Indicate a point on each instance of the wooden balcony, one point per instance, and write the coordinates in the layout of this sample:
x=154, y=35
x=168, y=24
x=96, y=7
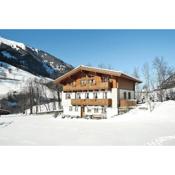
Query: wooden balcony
x=91, y=102
x=88, y=87
x=127, y=103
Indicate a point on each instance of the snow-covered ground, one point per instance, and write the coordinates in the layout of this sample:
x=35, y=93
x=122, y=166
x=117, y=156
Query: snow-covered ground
x=15, y=79
x=137, y=127
x=12, y=78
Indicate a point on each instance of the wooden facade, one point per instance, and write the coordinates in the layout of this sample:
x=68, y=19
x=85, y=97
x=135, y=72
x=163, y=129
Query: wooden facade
x=91, y=102
x=126, y=84
x=85, y=81
x=84, y=72
x=114, y=89
x=127, y=103
x=87, y=87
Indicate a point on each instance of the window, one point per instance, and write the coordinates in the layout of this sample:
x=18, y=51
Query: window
x=67, y=95
x=95, y=110
x=74, y=84
x=129, y=95
x=124, y=94
x=83, y=82
x=103, y=110
x=88, y=109
x=105, y=79
x=76, y=108
x=93, y=82
x=77, y=95
x=70, y=108
x=105, y=95
x=87, y=95
x=95, y=95
x=90, y=82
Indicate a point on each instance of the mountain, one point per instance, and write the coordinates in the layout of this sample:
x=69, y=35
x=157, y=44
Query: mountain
x=15, y=84
x=15, y=80
x=35, y=61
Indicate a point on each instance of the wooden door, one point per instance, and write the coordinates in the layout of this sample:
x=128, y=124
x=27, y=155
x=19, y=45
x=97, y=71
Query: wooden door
x=82, y=111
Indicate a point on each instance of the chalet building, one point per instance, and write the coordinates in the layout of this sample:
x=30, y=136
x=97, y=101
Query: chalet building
x=89, y=91
x=166, y=91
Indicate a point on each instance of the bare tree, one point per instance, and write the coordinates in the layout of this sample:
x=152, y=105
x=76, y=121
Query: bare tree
x=37, y=94
x=103, y=66
x=58, y=89
x=146, y=74
x=34, y=94
x=23, y=102
x=89, y=64
x=147, y=78
x=162, y=72
x=30, y=90
x=137, y=86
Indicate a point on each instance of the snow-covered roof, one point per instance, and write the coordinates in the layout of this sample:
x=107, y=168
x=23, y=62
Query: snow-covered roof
x=13, y=44
x=168, y=83
x=111, y=70
x=98, y=70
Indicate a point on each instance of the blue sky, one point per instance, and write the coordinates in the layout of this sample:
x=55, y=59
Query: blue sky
x=121, y=49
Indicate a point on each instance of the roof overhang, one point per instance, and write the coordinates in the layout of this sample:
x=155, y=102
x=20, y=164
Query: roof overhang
x=96, y=70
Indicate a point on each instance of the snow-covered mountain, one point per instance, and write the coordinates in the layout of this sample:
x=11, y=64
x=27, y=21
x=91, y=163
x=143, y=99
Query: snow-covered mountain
x=14, y=87
x=32, y=60
x=14, y=80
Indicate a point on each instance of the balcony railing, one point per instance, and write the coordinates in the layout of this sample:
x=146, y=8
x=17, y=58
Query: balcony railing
x=91, y=102
x=127, y=103
x=100, y=86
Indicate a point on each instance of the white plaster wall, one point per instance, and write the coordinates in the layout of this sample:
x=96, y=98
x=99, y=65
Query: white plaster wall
x=109, y=111
x=109, y=94
x=73, y=112
x=66, y=103
x=114, y=97
x=91, y=96
x=92, y=110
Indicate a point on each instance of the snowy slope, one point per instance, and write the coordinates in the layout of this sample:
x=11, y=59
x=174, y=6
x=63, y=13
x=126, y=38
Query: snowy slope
x=14, y=79
x=138, y=127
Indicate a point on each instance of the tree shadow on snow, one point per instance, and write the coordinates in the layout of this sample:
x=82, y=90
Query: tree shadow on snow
x=5, y=124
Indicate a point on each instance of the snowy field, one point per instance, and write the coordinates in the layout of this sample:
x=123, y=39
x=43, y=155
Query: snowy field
x=137, y=127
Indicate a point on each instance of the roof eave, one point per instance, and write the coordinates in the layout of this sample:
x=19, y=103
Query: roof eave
x=81, y=67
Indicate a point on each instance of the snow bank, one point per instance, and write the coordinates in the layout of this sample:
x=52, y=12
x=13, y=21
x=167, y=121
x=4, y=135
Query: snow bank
x=162, y=111
x=165, y=110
